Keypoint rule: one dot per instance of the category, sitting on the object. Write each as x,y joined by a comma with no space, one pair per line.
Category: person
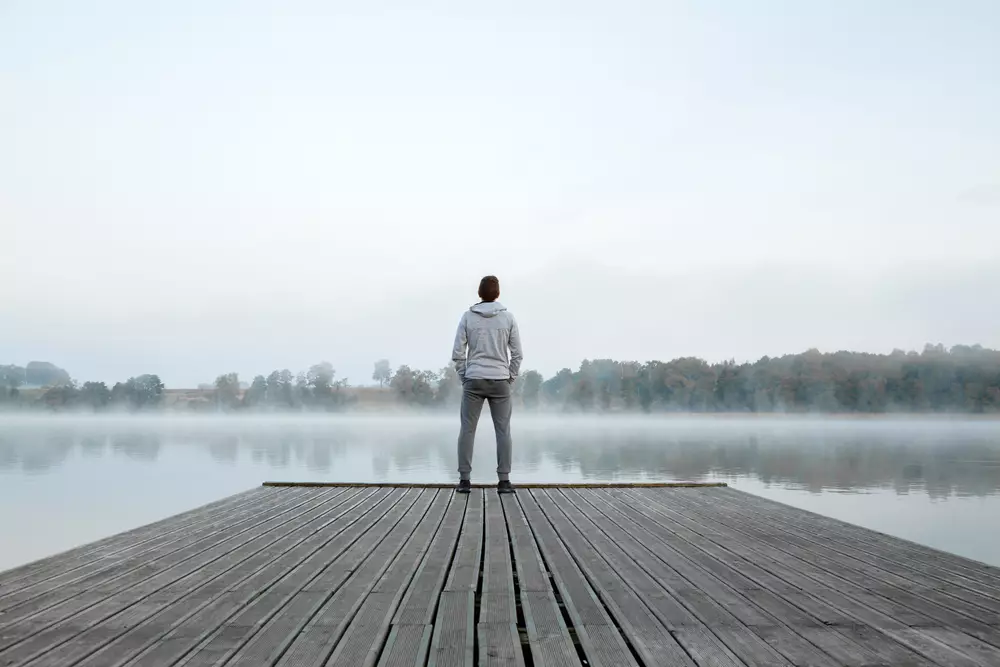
487,356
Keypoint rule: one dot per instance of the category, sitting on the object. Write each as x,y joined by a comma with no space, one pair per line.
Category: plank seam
318,608
598,597
478,599
288,510
401,593
447,573
607,501
577,501
771,570
731,523
361,499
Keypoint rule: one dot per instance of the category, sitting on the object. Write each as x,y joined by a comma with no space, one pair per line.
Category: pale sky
196,187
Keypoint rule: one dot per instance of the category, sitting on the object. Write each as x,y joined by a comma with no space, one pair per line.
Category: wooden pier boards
407,576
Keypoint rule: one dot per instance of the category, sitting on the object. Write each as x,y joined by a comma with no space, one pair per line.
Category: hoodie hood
488,309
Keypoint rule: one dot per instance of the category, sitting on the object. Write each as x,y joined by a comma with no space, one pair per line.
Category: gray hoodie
485,334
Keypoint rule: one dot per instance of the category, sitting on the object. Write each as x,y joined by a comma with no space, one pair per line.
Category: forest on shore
962,379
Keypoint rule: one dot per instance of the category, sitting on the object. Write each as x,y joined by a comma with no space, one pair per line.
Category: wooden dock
547,577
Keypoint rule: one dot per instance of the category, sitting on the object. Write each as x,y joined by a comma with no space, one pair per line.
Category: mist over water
71,480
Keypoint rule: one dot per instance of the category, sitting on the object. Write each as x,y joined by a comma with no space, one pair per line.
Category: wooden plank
841,530
168,635
297,627
39,635
812,618
94,636
974,591
75,596
318,640
410,637
664,616
130,541
879,577
705,596
453,640
44,594
548,636
616,576
600,640
882,623
496,628
33,607
909,603
134,628
420,602
265,627
828,606
363,639
649,638
321,548
947,598
406,646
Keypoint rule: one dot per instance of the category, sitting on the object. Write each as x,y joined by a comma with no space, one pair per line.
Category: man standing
487,356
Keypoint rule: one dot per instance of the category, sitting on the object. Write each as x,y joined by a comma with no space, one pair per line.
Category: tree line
142,392
962,379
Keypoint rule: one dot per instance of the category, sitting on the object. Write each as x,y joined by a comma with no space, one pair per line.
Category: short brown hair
489,288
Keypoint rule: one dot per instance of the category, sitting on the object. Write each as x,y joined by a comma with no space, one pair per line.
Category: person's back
487,356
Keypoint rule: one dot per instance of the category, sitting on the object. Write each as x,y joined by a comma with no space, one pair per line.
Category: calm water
66,481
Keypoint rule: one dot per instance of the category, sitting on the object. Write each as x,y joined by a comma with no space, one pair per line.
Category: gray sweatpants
474,392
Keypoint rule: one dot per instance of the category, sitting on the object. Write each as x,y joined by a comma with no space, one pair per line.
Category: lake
68,480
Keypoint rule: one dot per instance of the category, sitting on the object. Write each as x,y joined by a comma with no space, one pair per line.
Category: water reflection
65,481
938,457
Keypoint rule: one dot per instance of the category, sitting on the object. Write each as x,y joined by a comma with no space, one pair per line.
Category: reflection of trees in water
93,446
941,468
942,460
35,451
224,449
140,445
940,464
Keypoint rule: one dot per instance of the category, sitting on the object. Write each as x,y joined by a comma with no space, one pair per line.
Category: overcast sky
196,187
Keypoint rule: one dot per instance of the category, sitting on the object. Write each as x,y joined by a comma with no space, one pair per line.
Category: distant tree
60,396
95,395
144,391
320,379
383,372
303,396
414,387
11,377
629,387
423,387
45,374
119,393
402,381
449,386
558,387
583,392
280,389
257,393
531,388
604,394
227,391
324,391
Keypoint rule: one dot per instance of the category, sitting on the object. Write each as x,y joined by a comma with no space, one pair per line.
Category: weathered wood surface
410,576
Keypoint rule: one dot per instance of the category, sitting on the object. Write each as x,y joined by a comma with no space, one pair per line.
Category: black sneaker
503,486
463,486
